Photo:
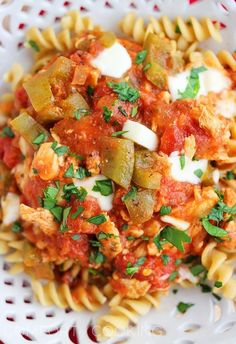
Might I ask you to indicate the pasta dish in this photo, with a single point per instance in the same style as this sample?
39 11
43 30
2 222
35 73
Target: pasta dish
118 166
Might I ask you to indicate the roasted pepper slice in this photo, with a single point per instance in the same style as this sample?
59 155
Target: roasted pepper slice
117 160
28 128
72 103
145 170
39 91
158 60
141 207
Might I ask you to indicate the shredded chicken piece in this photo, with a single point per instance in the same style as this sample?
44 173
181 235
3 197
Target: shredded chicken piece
111 244
133 288
93 164
190 146
230 197
47 162
197 208
216 126
40 217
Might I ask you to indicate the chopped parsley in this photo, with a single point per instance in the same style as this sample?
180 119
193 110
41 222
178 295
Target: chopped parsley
197 269
182 161
198 173
71 189
173 276
75 237
119 133
205 288
175 236
130 238
218 214
122 111
131 194
183 307
103 235
39 139
175 291
178 262
78 211
7 132
165 210
125 91
76 156
230 175
16 227
218 284
90 90
63 226
132 269
177 29
35 171
165 259
140 57
134 111
61 150
97 220
81 172
104 187
106 114
34 45
193 84
97 257
79 113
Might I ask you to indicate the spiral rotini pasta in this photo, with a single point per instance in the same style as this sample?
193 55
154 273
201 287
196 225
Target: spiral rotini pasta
191 29
220 60
89 297
121 315
14 75
219 269
12 247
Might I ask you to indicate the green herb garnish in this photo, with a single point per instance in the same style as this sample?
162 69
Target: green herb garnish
119 133
104 187
34 45
131 194
182 161
79 210
193 84
106 114
176 237
125 91
97 220
165 210
61 150
183 307
198 173
132 269
140 57
7 132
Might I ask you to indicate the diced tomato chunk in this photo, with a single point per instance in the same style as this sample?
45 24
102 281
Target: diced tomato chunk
174 193
91 208
10 154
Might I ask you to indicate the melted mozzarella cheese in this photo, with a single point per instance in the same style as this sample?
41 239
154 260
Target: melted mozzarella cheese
226 107
140 134
105 202
178 223
216 176
114 61
10 208
187 173
211 80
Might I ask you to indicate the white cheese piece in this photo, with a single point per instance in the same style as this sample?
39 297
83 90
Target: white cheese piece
187 173
105 202
216 176
226 108
211 80
114 61
178 223
140 134
3 119
10 208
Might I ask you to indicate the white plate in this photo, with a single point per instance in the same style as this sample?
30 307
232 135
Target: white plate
20 316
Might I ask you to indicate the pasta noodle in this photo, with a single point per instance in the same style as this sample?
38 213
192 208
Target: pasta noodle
222 59
219 269
118 165
89 298
121 315
14 75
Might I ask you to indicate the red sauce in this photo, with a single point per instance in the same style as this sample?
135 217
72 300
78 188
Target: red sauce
9 154
174 193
